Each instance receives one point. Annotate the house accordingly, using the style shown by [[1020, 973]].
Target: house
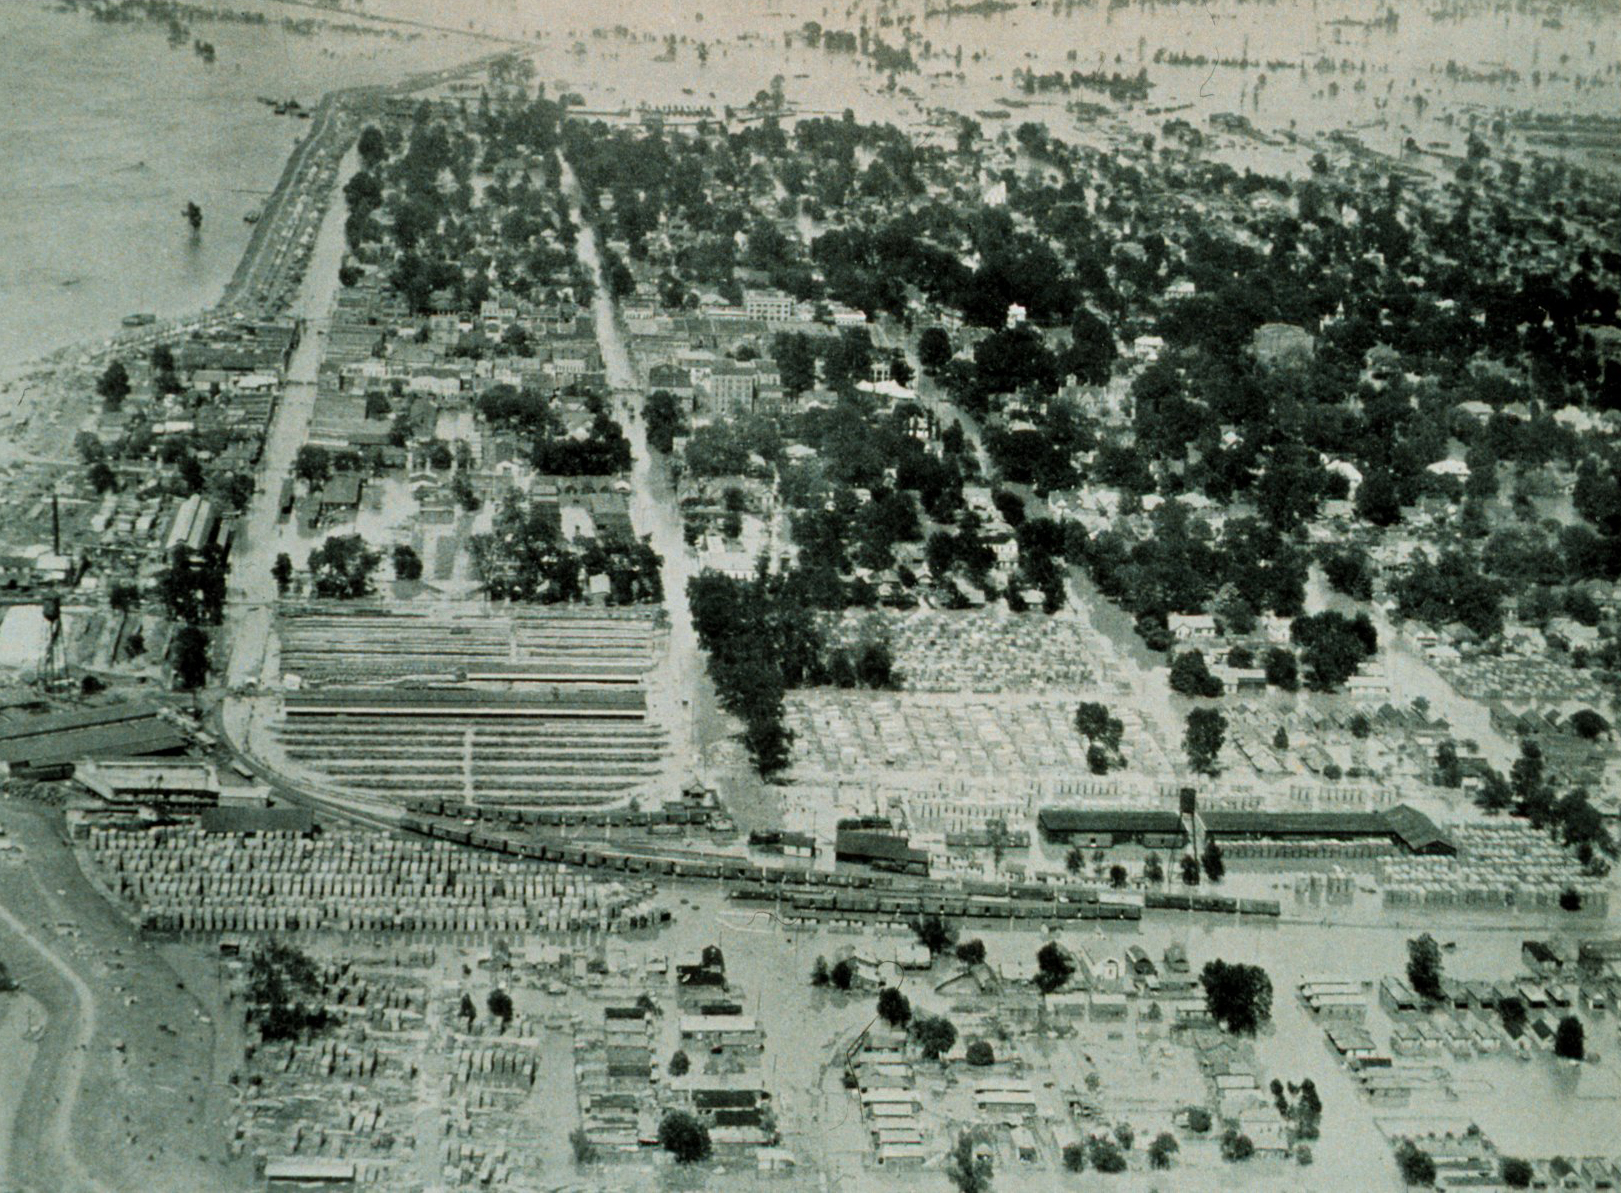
[[734, 1031], [341, 494], [1188, 626], [1005, 1099]]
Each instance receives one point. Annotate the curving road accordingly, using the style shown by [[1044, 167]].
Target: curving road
[[43, 1130]]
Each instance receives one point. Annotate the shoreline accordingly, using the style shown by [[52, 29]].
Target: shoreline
[[270, 262], [89, 352]]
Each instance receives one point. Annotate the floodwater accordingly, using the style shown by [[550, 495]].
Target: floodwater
[[1538, 1107], [111, 131], [108, 132]]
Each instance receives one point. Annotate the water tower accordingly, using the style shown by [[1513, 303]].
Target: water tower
[[52, 663]]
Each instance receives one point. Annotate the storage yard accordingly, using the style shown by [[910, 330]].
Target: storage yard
[[989, 651], [521, 709], [186, 879], [933, 736]]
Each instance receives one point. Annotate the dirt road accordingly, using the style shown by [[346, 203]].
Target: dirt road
[[122, 1092], [654, 510]]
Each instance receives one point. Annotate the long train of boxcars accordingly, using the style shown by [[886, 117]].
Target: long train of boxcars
[[806, 893]]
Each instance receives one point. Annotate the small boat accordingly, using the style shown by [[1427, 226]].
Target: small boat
[[252, 217], [141, 319]]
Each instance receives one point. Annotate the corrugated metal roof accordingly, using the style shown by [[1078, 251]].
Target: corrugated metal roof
[[1110, 820], [136, 737]]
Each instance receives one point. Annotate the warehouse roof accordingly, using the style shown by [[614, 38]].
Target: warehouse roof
[[112, 731], [1297, 824], [1417, 831], [1108, 820], [860, 843]]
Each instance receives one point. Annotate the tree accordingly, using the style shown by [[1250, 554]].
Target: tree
[[102, 478], [934, 934], [1570, 899], [1236, 1147], [1163, 1150], [1189, 866], [90, 449], [684, 1137], [664, 420], [341, 567], [842, 974], [680, 1063], [1516, 1173], [312, 464], [1282, 671], [1238, 996], [1214, 865], [1054, 967], [1377, 499], [466, 1009], [372, 148], [1105, 1154], [1512, 1013], [190, 659], [933, 348], [1075, 859], [1153, 869], [1332, 646], [820, 974], [1190, 676], [1448, 768], [1092, 349], [1075, 1157], [282, 572], [971, 952], [500, 1006], [1424, 967], [769, 743], [796, 361], [1098, 725], [1280, 739], [1417, 1167], [935, 1034], [1203, 738], [969, 1172], [124, 597], [1569, 1039], [893, 1007], [1588, 724], [1117, 876], [1125, 1134], [981, 1054], [1198, 1119], [283, 993], [407, 563], [113, 385]]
